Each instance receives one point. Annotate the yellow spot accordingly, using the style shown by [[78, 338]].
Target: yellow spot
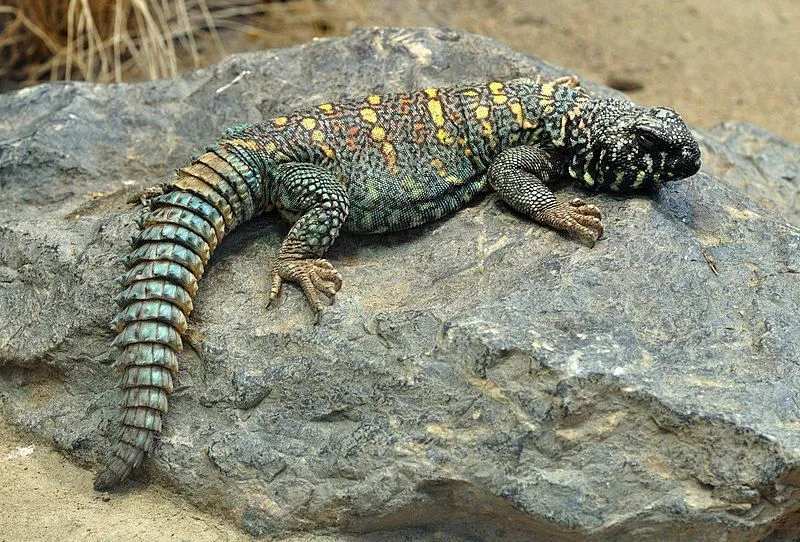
[[432, 92], [588, 179], [369, 115], [467, 152], [441, 169], [562, 132], [548, 89], [500, 99], [412, 186], [461, 141], [639, 179], [470, 93], [280, 121], [309, 123], [445, 137], [488, 132], [244, 143], [390, 154], [328, 151], [378, 133], [516, 109], [481, 112], [270, 147], [326, 108], [456, 181], [317, 136], [496, 87], [528, 124], [435, 109], [574, 112], [374, 99]]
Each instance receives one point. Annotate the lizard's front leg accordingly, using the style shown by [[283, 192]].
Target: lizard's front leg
[[315, 194], [518, 174]]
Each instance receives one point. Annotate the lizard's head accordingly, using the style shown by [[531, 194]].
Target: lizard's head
[[626, 147]]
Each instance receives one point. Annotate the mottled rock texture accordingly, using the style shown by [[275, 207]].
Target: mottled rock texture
[[481, 378]]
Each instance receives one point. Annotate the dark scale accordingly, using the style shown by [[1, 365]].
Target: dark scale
[[370, 165]]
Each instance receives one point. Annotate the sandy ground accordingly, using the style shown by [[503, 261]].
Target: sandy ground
[[713, 60], [43, 496]]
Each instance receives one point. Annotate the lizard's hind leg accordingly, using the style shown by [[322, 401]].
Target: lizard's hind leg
[[320, 199]]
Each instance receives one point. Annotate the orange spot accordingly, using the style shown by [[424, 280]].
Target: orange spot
[[328, 151], [351, 142]]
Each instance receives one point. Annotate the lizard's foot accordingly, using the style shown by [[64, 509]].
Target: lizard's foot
[[575, 217], [315, 277]]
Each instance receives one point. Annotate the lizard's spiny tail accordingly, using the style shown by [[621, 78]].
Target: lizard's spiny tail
[[210, 197]]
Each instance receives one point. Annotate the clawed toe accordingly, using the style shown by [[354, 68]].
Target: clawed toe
[[581, 207], [577, 218], [314, 276]]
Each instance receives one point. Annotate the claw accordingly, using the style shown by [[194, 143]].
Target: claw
[[275, 291], [577, 218], [314, 276]]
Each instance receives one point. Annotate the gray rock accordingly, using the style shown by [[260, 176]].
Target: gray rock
[[763, 166], [481, 378]]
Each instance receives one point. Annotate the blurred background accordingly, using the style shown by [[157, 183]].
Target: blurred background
[[712, 60]]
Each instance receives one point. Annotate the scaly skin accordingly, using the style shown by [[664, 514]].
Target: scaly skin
[[370, 165]]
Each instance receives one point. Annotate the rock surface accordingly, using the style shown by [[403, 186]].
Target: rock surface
[[481, 378]]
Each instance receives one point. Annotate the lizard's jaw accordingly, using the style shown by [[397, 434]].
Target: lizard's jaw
[[690, 163]]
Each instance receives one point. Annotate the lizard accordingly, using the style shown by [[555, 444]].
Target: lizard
[[371, 164]]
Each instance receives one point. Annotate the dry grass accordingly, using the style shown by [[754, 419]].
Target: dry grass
[[112, 40]]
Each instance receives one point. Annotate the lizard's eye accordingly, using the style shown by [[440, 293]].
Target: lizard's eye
[[648, 140]]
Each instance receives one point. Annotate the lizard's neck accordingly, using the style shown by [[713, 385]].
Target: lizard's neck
[[521, 112], [553, 113], [561, 115], [581, 156]]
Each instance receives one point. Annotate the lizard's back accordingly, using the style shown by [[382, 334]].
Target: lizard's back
[[405, 159]]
